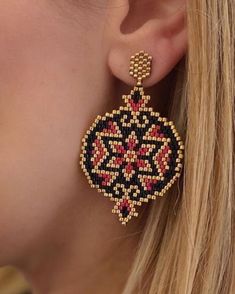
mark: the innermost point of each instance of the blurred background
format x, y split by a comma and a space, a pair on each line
12, 282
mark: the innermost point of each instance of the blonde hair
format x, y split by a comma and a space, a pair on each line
187, 245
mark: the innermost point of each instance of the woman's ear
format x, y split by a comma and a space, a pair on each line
155, 26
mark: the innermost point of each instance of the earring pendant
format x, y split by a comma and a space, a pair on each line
132, 155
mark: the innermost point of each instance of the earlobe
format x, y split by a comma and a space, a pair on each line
165, 39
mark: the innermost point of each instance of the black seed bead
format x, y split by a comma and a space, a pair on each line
136, 96
124, 211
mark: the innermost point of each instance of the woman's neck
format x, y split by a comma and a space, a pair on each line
86, 251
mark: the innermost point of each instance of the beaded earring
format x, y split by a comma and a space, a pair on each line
132, 154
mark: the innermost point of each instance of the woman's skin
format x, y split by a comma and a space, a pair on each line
63, 62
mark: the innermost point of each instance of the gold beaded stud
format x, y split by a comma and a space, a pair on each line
140, 66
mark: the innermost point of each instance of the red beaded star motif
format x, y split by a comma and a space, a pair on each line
132, 154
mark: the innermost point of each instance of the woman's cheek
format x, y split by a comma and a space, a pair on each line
40, 128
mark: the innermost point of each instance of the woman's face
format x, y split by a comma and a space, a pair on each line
48, 85
55, 77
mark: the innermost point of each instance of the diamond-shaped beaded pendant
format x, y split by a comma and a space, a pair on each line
132, 154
